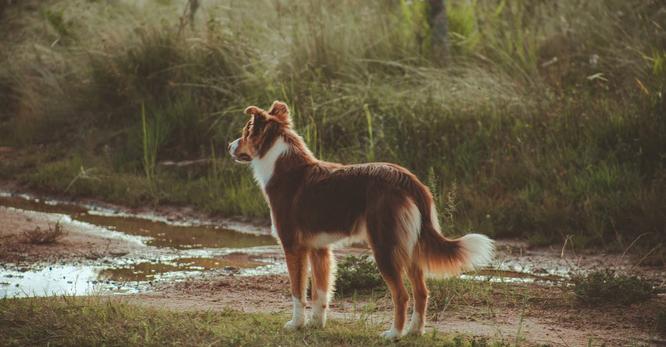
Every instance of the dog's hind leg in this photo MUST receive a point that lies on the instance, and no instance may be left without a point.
(393, 276)
(297, 265)
(420, 290)
(322, 262)
(389, 245)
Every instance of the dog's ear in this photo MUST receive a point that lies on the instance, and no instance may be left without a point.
(253, 110)
(256, 113)
(280, 110)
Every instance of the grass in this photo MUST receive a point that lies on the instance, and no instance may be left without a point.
(606, 287)
(358, 275)
(68, 321)
(536, 127)
(38, 236)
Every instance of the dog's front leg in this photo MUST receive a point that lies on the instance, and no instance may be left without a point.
(297, 265)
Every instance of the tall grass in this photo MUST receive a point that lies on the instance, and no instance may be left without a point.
(547, 121)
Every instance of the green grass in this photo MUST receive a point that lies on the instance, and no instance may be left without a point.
(606, 287)
(537, 127)
(358, 274)
(67, 321)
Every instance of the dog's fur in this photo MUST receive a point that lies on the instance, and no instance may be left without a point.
(315, 204)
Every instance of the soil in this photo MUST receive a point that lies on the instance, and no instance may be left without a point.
(546, 314)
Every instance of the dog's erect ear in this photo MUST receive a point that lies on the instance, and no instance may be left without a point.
(256, 113)
(280, 111)
(253, 110)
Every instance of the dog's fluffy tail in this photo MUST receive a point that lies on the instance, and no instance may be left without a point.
(438, 255)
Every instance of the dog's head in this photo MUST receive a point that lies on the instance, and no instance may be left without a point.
(260, 132)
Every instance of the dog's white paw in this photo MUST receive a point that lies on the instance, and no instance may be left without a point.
(416, 330)
(293, 325)
(316, 322)
(318, 319)
(391, 334)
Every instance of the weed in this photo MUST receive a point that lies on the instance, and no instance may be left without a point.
(607, 287)
(37, 236)
(58, 23)
(358, 274)
(151, 141)
(661, 322)
(456, 291)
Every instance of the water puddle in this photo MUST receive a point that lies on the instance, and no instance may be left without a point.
(168, 251)
(235, 263)
(161, 234)
(508, 276)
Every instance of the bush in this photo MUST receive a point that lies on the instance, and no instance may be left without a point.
(606, 287)
(38, 236)
(358, 274)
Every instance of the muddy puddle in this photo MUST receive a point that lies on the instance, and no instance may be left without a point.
(161, 251)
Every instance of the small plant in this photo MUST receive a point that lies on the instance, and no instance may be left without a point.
(38, 236)
(661, 322)
(606, 287)
(358, 274)
(58, 22)
(452, 291)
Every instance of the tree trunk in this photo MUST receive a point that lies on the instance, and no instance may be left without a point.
(439, 30)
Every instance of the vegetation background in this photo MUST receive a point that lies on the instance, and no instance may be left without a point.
(544, 120)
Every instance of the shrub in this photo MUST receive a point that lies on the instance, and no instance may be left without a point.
(38, 236)
(606, 287)
(358, 274)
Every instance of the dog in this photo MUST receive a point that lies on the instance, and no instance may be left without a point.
(315, 205)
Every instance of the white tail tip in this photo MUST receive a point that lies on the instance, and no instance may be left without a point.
(478, 249)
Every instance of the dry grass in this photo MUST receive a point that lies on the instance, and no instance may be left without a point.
(39, 236)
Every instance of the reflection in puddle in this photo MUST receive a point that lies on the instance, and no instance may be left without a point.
(53, 280)
(148, 271)
(86, 279)
(179, 237)
(507, 276)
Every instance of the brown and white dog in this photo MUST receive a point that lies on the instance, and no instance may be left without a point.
(315, 204)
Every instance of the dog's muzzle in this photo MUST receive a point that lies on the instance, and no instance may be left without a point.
(241, 158)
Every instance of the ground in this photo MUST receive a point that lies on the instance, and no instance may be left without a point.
(532, 313)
